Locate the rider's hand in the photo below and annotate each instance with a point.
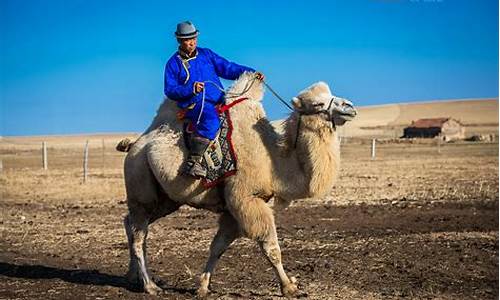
(198, 87)
(260, 76)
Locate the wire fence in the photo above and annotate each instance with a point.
(92, 154)
(99, 154)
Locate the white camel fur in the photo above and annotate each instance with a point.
(285, 167)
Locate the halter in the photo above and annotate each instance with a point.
(310, 113)
(301, 113)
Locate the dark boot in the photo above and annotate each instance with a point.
(192, 166)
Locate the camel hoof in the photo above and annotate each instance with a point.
(202, 293)
(290, 290)
(152, 289)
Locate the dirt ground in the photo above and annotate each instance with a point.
(417, 222)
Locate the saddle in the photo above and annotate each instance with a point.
(219, 159)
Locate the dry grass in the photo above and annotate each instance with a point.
(414, 173)
(401, 172)
(368, 247)
(479, 116)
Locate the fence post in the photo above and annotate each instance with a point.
(373, 148)
(85, 161)
(44, 155)
(1, 165)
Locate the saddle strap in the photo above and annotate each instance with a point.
(225, 107)
(181, 114)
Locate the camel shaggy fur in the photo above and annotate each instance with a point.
(270, 165)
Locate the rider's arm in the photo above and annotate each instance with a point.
(226, 69)
(172, 88)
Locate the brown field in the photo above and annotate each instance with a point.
(479, 116)
(414, 223)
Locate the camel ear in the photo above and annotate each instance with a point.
(296, 103)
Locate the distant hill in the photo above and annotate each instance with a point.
(478, 115)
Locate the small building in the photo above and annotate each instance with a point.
(446, 128)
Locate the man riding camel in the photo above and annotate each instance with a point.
(192, 81)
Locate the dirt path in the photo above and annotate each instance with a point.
(440, 251)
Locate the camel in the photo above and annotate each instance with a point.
(302, 162)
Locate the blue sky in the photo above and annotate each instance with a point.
(87, 66)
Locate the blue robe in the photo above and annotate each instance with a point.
(182, 73)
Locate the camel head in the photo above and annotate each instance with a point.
(318, 100)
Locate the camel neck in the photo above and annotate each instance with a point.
(316, 154)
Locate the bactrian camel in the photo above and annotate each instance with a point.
(300, 163)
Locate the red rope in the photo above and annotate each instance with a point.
(223, 108)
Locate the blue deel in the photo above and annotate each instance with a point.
(205, 66)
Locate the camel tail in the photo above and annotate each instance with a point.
(124, 145)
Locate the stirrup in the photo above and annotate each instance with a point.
(194, 169)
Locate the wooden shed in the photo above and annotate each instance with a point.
(446, 128)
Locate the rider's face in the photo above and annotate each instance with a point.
(188, 45)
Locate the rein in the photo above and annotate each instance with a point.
(248, 86)
(302, 113)
(278, 96)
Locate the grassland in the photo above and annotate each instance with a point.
(479, 116)
(416, 222)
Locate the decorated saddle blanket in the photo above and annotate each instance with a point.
(219, 158)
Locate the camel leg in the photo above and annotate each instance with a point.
(136, 227)
(133, 268)
(271, 249)
(227, 233)
(256, 221)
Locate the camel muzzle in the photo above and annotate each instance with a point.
(341, 110)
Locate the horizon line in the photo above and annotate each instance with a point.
(416, 102)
